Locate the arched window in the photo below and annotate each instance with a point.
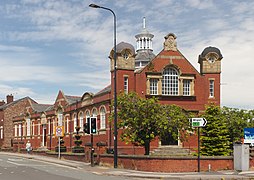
(67, 124)
(170, 82)
(60, 117)
(87, 115)
(75, 121)
(94, 113)
(81, 121)
(103, 118)
(28, 126)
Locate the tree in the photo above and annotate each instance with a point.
(236, 120)
(138, 117)
(144, 119)
(215, 136)
(174, 121)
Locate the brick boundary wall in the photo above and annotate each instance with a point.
(169, 164)
(150, 163)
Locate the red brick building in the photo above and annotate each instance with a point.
(167, 75)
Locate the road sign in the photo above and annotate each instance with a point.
(59, 131)
(248, 135)
(198, 122)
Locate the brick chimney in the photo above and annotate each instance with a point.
(2, 102)
(9, 98)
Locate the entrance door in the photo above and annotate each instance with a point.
(168, 140)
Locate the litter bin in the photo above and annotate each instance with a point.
(241, 157)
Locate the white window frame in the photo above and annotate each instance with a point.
(102, 118)
(33, 129)
(60, 119)
(74, 122)
(94, 112)
(28, 127)
(81, 121)
(87, 115)
(186, 87)
(154, 86)
(211, 88)
(20, 129)
(15, 130)
(67, 125)
(39, 128)
(1, 132)
(170, 82)
(126, 84)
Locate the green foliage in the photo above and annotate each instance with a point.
(174, 120)
(144, 119)
(138, 118)
(215, 135)
(236, 120)
(250, 118)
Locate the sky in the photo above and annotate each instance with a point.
(52, 45)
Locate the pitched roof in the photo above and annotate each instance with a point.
(41, 107)
(15, 102)
(72, 99)
(105, 90)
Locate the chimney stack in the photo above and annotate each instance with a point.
(9, 98)
(2, 102)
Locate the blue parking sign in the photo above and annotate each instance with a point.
(249, 135)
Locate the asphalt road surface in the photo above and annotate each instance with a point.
(18, 168)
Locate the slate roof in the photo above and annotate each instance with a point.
(103, 91)
(123, 45)
(211, 49)
(72, 99)
(144, 56)
(16, 101)
(42, 107)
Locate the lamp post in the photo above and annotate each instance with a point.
(115, 94)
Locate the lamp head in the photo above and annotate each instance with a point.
(94, 6)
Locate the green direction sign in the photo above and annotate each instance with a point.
(198, 122)
(195, 124)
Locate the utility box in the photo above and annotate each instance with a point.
(241, 157)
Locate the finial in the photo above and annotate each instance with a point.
(144, 22)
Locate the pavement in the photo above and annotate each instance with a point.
(99, 170)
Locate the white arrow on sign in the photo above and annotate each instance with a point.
(198, 122)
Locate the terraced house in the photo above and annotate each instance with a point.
(167, 75)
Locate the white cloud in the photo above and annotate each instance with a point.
(61, 42)
(16, 91)
(200, 4)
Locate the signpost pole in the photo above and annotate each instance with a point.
(198, 149)
(197, 123)
(59, 133)
(59, 154)
(92, 151)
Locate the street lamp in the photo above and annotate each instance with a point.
(115, 94)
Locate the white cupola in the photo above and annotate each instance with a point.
(144, 47)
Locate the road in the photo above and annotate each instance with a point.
(18, 168)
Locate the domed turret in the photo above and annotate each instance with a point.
(125, 53)
(210, 60)
(144, 47)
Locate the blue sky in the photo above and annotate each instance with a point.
(52, 45)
